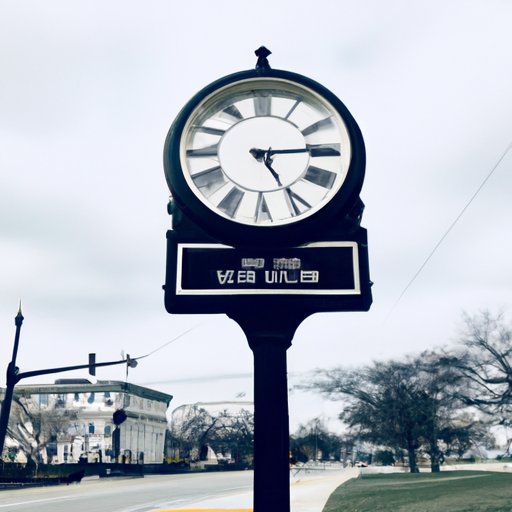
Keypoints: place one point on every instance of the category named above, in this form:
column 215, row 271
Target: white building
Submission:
column 86, row 410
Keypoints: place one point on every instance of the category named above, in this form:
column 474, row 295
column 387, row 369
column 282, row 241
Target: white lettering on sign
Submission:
column 280, row 276
column 286, row 263
column 309, row 276
column 236, row 276
column 253, row 262
column 286, row 277
column 225, row 276
column 246, row 276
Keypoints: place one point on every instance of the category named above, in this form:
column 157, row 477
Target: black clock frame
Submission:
column 234, row 233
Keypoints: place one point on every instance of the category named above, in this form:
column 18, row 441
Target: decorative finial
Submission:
column 262, row 53
column 18, row 319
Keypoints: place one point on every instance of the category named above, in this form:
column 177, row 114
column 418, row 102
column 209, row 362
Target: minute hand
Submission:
column 287, row 151
column 312, row 149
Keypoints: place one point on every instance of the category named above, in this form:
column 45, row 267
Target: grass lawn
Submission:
column 449, row 491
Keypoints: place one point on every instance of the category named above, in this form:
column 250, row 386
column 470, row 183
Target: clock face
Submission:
column 265, row 152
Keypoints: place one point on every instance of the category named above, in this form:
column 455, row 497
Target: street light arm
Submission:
column 14, row 376
column 35, row 373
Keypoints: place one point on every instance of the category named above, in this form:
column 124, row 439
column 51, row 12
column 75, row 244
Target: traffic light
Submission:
column 92, row 364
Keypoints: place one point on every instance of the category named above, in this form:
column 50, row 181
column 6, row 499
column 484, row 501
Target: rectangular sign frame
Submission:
column 203, row 276
column 183, row 248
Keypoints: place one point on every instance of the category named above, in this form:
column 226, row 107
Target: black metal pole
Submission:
column 271, row 425
column 270, row 335
column 11, row 379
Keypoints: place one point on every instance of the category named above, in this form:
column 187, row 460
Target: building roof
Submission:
column 63, row 386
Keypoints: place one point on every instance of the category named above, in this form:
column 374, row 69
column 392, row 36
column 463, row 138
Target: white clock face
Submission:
column 265, row 152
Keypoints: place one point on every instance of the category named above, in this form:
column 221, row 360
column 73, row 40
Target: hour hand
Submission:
column 268, row 165
column 264, row 155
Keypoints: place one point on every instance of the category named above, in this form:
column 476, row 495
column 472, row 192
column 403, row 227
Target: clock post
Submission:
column 270, row 334
column 265, row 168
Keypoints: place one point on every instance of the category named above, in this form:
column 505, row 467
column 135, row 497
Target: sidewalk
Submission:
column 309, row 491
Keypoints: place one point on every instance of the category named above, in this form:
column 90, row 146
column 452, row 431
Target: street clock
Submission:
column 265, row 168
column 264, row 157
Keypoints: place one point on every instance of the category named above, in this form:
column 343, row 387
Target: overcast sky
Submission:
column 88, row 90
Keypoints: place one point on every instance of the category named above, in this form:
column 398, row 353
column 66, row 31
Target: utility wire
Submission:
column 452, row 225
column 167, row 343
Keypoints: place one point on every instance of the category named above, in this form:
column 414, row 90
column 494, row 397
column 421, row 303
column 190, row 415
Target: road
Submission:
column 127, row 494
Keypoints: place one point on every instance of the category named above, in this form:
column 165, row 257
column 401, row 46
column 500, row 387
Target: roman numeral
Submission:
column 262, row 105
column 232, row 111
column 211, row 131
column 294, row 106
column 296, row 201
column 209, row 180
column 203, row 152
column 324, row 123
column 231, row 201
column 262, row 210
column 324, row 149
column 321, row 177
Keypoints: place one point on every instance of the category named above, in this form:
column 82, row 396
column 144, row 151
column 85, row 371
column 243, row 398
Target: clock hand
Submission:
column 265, row 156
column 257, row 153
column 312, row 149
column 287, row 151
column 268, row 165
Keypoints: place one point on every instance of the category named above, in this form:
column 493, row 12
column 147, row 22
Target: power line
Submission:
column 167, row 343
column 202, row 378
column 452, row 225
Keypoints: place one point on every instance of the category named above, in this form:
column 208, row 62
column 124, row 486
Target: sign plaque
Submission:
column 331, row 275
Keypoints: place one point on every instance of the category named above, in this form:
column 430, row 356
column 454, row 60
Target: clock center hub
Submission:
column 250, row 154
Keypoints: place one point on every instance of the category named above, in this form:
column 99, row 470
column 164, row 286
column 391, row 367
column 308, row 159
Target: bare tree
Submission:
column 379, row 406
column 412, row 405
column 486, row 362
column 33, row 429
column 313, row 441
column 234, row 433
column 224, row 431
column 190, row 432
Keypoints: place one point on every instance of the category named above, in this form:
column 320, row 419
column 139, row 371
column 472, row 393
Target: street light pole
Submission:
column 11, row 380
column 14, row 376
